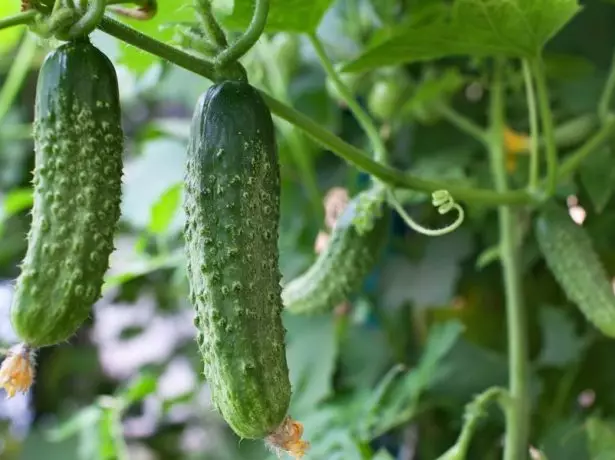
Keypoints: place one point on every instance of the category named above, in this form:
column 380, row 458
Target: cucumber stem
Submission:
column 517, row 413
column 237, row 49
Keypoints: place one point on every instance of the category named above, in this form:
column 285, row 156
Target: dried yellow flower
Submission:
column 17, row 370
column 287, row 438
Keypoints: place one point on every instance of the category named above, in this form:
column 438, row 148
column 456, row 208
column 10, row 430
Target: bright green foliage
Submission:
column 573, row 261
column 232, row 205
column 343, row 265
column 517, row 28
column 77, row 188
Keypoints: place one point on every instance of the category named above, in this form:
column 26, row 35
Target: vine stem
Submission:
column 517, row 413
column 380, row 152
column 17, row 74
column 533, row 115
column 17, row 19
column 463, row 124
column 574, row 160
column 546, row 118
column 344, row 150
column 146, row 43
column 607, row 93
column 257, row 25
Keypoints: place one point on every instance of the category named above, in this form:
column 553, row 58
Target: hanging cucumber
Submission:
column 358, row 239
column 78, row 143
column 232, row 206
column 568, row 251
column 77, row 190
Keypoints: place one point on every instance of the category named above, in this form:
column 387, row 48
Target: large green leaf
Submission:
column 168, row 13
column 601, row 438
column 8, row 37
column 475, row 27
column 284, row 15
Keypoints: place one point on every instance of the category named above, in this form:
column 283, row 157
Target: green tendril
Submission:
column 442, row 200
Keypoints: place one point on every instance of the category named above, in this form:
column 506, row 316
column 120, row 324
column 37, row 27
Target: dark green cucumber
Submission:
column 354, row 248
column 77, row 190
column 232, row 206
column 569, row 253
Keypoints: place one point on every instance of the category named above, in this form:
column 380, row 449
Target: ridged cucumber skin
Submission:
column 78, row 142
column 569, row 254
column 341, row 268
column 232, row 207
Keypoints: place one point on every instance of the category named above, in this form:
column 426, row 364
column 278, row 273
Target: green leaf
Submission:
column 561, row 343
column 75, row 424
column 383, row 455
column 168, row 12
column 396, row 398
column 162, row 159
column 518, row 28
column 601, row 438
column 284, row 15
column 10, row 36
column 433, row 89
column 16, row 201
column 597, row 175
column 311, row 355
column 164, row 210
column 144, row 385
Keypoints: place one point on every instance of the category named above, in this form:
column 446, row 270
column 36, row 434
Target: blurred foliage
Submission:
column 389, row 377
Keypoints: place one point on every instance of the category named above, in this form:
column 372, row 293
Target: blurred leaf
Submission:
column 168, row 12
column 162, row 159
column 364, row 355
column 395, row 400
column 565, row 440
column 561, row 345
column 10, row 36
column 517, row 28
column 142, row 386
column 601, row 438
column 75, row 424
column 284, row 15
column 433, row 89
column 311, row 354
column 163, row 211
column 142, row 266
column 431, row 280
column 598, row 177
column 382, row 454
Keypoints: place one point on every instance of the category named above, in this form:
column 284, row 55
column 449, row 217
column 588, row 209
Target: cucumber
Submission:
column 232, row 207
column 77, row 191
column 569, row 254
column 357, row 241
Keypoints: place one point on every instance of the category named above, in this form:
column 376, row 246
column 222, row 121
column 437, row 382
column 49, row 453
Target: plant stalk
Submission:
column 517, row 414
column 546, row 118
column 533, row 115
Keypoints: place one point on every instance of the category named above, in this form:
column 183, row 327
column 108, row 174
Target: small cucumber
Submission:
column 568, row 251
column 77, row 190
column 357, row 241
column 232, row 206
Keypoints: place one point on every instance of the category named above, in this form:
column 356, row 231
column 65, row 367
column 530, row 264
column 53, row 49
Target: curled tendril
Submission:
column 445, row 203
